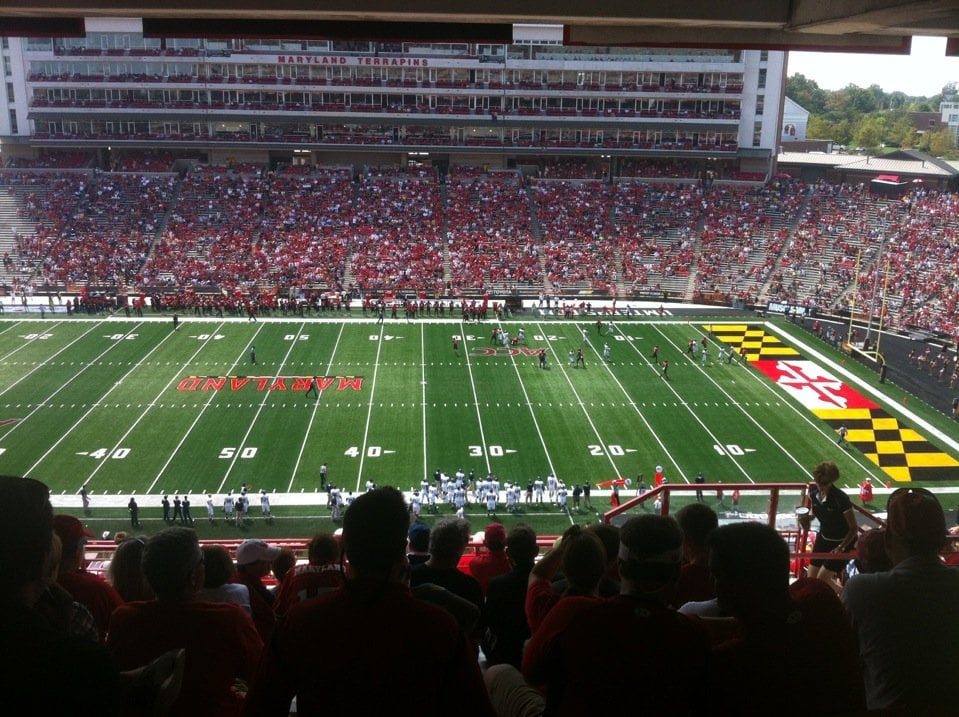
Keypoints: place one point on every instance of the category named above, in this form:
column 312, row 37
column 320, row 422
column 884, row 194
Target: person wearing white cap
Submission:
column 254, row 560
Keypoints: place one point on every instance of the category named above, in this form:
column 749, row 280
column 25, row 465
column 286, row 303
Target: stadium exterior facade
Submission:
column 322, row 102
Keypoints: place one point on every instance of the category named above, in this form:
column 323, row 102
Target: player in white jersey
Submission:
column 510, row 498
column 538, row 489
column 209, row 508
column 551, row 484
column 606, row 352
column 431, row 498
column 561, row 494
column 459, row 497
column 415, row 502
column 572, row 359
column 490, row 505
column 229, row 505
column 265, row 504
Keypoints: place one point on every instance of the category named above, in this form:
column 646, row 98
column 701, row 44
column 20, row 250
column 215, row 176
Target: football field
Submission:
column 132, row 407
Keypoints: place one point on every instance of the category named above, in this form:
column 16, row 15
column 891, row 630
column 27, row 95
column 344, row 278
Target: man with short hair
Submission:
column 448, row 540
column 907, row 619
column 220, row 640
column 636, row 631
column 372, row 640
column 777, row 626
column 322, row 574
column 505, row 612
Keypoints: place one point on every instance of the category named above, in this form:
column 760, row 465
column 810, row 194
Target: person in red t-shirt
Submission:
column 323, row 574
column 779, row 627
column 221, row 642
column 370, row 643
column 94, row 593
column 697, row 521
column 493, row 561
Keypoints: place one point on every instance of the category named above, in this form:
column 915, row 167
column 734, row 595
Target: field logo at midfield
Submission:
column 504, row 351
column 900, row 451
column 269, row 383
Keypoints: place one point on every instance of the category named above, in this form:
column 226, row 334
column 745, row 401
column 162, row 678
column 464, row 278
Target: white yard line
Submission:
column 369, row 412
column 581, row 403
column 28, row 342
column 426, row 457
column 309, row 427
column 632, row 403
column 196, row 420
column 47, row 361
column 803, row 468
column 93, row 406
column 151, row 404
column 479, row 417
column 259, row 410
column 75, row 376
column 532, row 413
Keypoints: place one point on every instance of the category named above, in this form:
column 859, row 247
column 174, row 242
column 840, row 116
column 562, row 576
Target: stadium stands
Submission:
column 560, row 227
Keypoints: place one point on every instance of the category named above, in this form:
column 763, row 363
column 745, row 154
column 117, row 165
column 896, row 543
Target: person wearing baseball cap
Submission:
column 91, row 591
column 254, row 560
column 907, row 619
column 493, row 561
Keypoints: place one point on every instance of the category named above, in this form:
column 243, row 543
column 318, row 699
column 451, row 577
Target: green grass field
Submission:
column 130, row 407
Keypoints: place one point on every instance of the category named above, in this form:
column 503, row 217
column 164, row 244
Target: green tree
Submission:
column 807, row 93
column 939, row 144
column 869, row 131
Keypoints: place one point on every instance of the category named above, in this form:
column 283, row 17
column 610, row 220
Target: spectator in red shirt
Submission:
column 254, row 561
column 323, row 574
column 97, row 595
column 221, row 642
column 493, row 561
column 370, row 643
column 697, row 521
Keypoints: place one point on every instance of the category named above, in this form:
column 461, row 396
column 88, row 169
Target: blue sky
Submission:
column 920, row 74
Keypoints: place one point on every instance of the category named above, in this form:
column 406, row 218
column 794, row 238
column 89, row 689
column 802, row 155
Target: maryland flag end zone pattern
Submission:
column 900, row 451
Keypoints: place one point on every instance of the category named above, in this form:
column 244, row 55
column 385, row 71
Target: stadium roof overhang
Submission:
column 881, row 26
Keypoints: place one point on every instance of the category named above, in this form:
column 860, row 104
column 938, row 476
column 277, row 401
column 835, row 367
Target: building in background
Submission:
column 313, row 102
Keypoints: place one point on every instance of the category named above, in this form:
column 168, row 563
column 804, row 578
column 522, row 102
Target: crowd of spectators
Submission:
column 709, row 611
column 565, row 226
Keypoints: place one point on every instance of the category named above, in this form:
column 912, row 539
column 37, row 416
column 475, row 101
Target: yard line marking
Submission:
column 65, row 383
column 196, row 420
column 685, row 404
column 133, row 425
column 369, row 412
column 279, row 371
column 580, row 401
column 423, row 401
column 642, row 418
column 41, row 364
column 26, row 343
column 316, row 406
column 529, row 404
column 90, row 410
column 479, row 417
